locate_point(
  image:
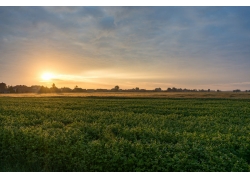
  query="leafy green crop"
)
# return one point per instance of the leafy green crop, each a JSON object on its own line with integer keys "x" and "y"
{"x": 124, "y": 134}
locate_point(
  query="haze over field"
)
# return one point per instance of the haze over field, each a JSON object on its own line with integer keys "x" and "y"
{"x": 146, "y": 47}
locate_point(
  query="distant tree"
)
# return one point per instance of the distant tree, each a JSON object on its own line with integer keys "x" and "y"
{"x": 11, "y": 89}
{"x": 179, "y": 90}
{"x": 3, "y": 87}
{"x": 77, "y": 89}
{"x": 174, "y": 89}
{"x": 116, "y": 88}
{"x": 44, "y": 90}
{"x": 54, "y": 88}
{"x": 66, "y": 89}
{"x": 169, "y": 89}
{"x": 158, "y": 89}
{"x": 237, "y": 90}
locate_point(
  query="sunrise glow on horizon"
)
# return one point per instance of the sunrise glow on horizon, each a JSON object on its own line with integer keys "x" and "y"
{"x": 145, "y": 47}
{"x": 47, "y": 76}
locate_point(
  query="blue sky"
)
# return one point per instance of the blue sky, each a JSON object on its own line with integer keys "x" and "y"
{"x": 146, "y": 47}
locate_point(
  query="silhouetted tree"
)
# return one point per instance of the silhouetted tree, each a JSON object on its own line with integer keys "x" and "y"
{"x": 179, "y": 90}
{"x": 78, "y": 89}
{"x": 3, "y": 87}
{"x": 66, "y": 89}
{"x": 44, "y": 90}
{"x": 157, "y": 89}
{"x": 117, "y": 88}
{"x": 54, "y": 88}
{"x": 11, "y": 89}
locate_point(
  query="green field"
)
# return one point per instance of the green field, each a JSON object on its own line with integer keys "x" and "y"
{"x": 124, "y": 134}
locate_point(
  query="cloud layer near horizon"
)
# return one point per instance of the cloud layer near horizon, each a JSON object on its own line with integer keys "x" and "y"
{"x": 192, "y": 47}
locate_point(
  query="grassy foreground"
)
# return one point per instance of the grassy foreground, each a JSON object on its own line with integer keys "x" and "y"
{"x": 124, "y": 134}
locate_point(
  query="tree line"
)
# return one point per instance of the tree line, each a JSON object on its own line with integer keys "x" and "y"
{"x": 53, "y": 89}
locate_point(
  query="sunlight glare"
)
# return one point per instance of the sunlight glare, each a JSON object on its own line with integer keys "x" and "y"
{"x": 47, "y": 76}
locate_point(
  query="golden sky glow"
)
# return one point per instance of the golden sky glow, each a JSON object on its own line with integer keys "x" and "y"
{"x": 47, "y": 76}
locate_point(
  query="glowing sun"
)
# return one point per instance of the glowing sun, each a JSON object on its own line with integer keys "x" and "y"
{"x": 47, "y": 76}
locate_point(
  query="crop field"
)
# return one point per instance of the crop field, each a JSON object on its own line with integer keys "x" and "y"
{"x": 124, "y": 134}
{"x": 221, "y": 95}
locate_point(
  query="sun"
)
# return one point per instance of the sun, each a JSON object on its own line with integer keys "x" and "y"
{"x": 47, "y": 76}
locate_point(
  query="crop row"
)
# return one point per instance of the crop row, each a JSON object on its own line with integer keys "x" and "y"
{"x": 102, "y": 134}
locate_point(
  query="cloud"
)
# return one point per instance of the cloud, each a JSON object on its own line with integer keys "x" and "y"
{"x": 205, "y": 42}
{"x": 107, "y": 23}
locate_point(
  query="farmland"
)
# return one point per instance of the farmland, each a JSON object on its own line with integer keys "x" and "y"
{"x": 230, "y": 95}
{"x": 125, "y": 133}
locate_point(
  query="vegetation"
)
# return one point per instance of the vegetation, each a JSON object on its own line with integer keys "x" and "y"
{"x": 221, "y": 95}
{"x": 124, "y": 134}
{"x": 41, "y": 89}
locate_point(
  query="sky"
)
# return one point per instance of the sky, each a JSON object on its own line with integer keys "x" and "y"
{"x": 144, "y": 46}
